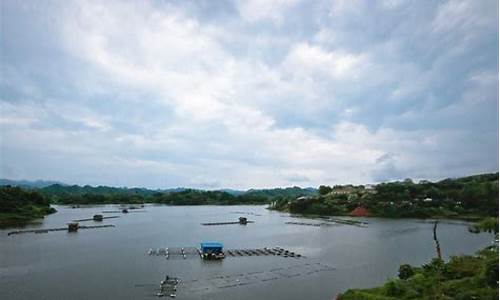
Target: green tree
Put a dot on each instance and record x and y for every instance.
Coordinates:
(324, 189)
(405, 271)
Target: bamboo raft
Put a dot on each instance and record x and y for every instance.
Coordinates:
(37, 231)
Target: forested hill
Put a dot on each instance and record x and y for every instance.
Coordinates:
(74, 194)
(19, 206)
(467, 196)
(27, 183)
(473, 195)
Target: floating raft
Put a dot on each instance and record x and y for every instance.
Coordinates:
(309, 224)
(168, 287)
(240, 279)
(189, 252)
(57, 229)
(224, 223)
(175, 252)
(347, 221)
(276, 251)
(93, 219)
(246, 213)
(125, 211)
(331, 220)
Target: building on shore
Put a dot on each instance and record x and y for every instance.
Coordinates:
(360, 212)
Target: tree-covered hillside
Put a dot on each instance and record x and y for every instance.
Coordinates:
(74, 194)
(18, 205)
(467, 196)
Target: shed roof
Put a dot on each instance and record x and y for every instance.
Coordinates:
(211, 245)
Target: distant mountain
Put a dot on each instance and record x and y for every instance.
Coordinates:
(60, 189)
(233, 192)
(289, 192)
(57, 188)
(28, 183)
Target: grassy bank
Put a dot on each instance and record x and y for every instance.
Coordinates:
(461, 278)
(465, 277)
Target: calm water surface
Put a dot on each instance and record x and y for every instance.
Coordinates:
(113, 263)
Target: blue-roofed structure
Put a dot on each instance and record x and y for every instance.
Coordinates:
(211, 246)
(212, 250)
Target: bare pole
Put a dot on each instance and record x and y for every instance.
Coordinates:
(438, 248)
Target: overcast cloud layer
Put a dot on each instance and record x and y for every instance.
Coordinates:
(240, 94)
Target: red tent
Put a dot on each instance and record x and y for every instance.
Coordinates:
(360, 212)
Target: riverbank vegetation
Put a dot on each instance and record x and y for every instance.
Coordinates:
(462, 277)
(18, 206)
(468, 197)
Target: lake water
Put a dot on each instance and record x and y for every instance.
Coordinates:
(113, 263)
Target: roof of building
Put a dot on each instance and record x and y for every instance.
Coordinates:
(360, 212)
(211, 245)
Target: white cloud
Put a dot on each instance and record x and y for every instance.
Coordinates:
(456, 14)
(391, 4)
(163, 98)
(306, 59)
(342, 7)
(258, 10)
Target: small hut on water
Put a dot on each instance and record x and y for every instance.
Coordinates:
(212, 250)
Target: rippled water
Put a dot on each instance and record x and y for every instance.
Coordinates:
(113, 263)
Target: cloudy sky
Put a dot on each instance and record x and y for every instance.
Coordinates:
(241, 94)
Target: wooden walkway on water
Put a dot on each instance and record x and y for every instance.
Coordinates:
(327, 221)
(170, 252)
(310, 224)
(47, 230)
(224, 223)
(92, 219)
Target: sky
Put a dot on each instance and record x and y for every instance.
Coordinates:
(247, 94)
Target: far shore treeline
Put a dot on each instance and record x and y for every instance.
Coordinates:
(473, 196)
(467, 197)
